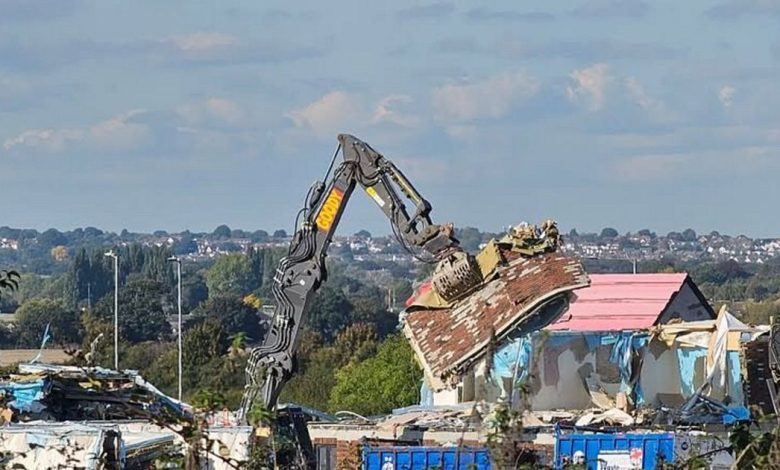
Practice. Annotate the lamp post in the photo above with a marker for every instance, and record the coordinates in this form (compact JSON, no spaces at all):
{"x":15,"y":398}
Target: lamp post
{"x":178,"y":276}
{"x":111,"y":254}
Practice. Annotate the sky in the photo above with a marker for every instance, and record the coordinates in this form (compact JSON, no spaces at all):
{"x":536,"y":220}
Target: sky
{"x":181,"y":114}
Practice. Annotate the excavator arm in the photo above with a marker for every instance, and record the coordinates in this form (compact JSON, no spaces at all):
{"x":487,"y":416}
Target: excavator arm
{"x":302,"y":271}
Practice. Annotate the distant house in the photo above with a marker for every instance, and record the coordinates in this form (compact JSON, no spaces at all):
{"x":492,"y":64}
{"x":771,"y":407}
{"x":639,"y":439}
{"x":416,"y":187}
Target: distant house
{"x":9,"y":243}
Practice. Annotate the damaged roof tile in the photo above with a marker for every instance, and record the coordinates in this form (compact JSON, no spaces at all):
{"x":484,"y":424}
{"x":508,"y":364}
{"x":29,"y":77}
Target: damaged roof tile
{"x":447,"y":340}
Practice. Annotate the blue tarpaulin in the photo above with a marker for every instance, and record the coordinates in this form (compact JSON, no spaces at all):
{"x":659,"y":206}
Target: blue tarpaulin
{"x":25,"y":394}
{"x":513,"y":359}
{"x":686,"y":358}
{"x":735,"y":379}
{"x":625,"y":345}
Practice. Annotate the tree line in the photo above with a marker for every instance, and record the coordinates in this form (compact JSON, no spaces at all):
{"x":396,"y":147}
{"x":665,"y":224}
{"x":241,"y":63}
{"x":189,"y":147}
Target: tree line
{"x":350,"y":331}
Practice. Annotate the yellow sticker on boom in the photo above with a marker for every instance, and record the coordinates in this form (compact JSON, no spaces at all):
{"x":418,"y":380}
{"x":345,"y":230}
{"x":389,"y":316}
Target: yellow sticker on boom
{"x":372,"y":192}
{"x":329,"y":210}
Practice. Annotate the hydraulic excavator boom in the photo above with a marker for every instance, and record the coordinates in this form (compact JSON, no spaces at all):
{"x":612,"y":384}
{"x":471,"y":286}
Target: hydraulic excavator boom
{"x":302,"y":271}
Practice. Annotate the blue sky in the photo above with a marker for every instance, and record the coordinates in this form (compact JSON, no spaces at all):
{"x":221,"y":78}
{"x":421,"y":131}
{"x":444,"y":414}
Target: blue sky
{"x":188,"y":114}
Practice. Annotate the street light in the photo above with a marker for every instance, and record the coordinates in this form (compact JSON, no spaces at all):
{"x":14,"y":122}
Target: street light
{"x":178,"y":273}
{"x":111,"y":254}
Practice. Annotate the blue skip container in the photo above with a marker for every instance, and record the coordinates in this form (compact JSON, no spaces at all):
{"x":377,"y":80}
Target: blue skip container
{"x":424,"y":458}
{"x":614,"y":450}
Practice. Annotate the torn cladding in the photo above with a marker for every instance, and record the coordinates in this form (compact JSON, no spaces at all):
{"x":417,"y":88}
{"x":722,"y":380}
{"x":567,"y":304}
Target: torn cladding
{"x":121,"y":419}
{"x":61,"y":393}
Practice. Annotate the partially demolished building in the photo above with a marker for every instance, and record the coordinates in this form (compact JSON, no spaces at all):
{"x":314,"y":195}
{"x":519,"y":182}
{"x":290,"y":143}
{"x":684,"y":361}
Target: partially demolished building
{"x":633,"y":353}
{"x":454,"y":344}
{"x":626,"y":342}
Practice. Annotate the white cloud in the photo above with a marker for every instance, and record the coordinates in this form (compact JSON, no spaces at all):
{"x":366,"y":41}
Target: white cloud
{"x":386,"y":111}
{"x":637,"y":92}
{"x":50,"y":140}
{"x":227,"y":110}
{"x":656,"y":109}
{"x":219,"y":109}
{"x":199,"y":43}
{"x":590,"y":84}
{"x":726,"y":95}
{"x":118,"y":132}
{"x":491,"y":98}
{"x":329,"y":114}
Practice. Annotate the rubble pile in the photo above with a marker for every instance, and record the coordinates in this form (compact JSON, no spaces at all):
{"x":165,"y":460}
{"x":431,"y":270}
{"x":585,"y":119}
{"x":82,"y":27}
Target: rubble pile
{"x":68,"y":393}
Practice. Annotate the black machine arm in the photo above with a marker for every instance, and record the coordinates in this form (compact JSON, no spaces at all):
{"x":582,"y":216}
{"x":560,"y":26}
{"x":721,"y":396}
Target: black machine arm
{"x":302,"y":271}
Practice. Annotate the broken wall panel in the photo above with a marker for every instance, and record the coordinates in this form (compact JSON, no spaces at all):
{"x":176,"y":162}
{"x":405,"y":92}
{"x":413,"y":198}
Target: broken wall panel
{"x":230,"y":447}
{"x":59,"y":445}
{"x":659,"y":377}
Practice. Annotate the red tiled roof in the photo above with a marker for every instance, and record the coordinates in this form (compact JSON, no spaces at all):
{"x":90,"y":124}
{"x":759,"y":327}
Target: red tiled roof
{"x":620,"y":302}
{"x":447,"y":339}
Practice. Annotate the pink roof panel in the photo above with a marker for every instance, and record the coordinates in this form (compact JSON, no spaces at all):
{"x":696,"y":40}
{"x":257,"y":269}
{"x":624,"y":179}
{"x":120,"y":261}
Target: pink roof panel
{"x":620,"y":302}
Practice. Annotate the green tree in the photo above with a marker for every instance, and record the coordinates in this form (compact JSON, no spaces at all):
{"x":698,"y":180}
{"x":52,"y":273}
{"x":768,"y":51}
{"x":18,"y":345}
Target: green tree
{"x":141,"y":314}
{"x":140,"y":356}
{"x":388,"y":380}
{"x":675,"y":236}
{"x":330,"y":312}
{"x":318,"y":363}
{"x":222,"y":231}
{"x":233,"y":315}
{"x":193,"y":290}
{"x":202,"y":347}
{"x":609,"y":232}
{"x":259,"y":236}
{"x":185,"y":245}
{"x":235,"y":274}
{"x":33,"y":316}
{"x":469,"y":237}
{"x":31,"y":286}
{"x":203,"y":342}
{"x":51,"y":238}
{"x":80,"y":275}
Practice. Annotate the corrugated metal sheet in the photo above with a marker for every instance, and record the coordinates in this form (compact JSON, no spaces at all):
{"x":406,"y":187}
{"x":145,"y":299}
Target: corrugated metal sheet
{"x":446,"y":339}
{"x":620,"y":302}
